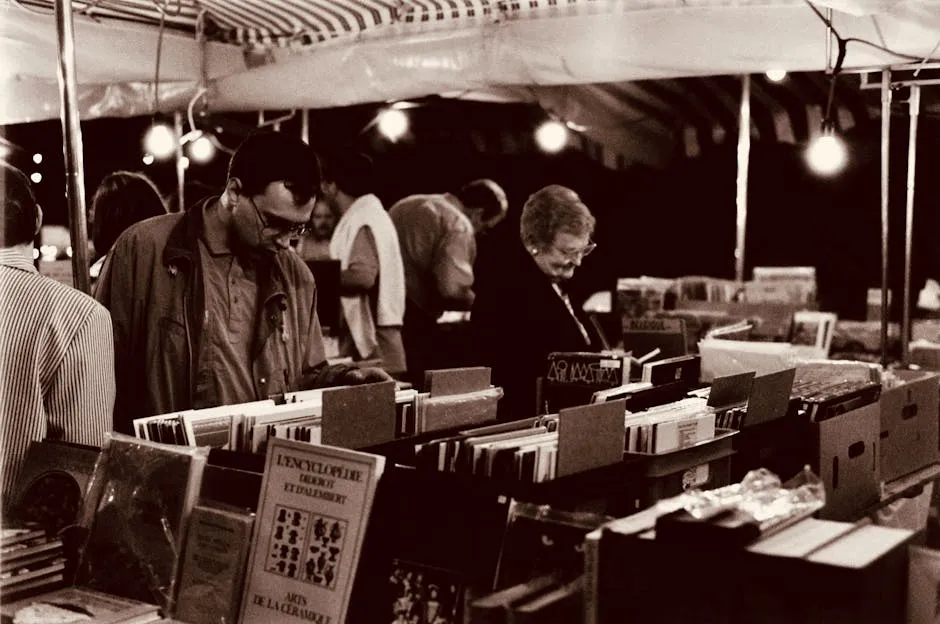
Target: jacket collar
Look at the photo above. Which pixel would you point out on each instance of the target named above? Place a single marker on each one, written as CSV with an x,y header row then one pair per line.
x,y
182,246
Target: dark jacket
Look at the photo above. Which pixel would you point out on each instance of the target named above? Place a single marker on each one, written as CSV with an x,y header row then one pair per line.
x,y
153,285
517,320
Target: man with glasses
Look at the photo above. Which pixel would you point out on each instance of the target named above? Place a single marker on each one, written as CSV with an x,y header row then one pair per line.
x,y
524,313
210,306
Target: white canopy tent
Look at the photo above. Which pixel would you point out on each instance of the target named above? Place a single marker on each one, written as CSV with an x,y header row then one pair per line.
x,y
280,54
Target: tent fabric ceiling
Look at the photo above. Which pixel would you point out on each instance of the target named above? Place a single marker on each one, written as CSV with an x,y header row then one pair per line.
x,y
291,23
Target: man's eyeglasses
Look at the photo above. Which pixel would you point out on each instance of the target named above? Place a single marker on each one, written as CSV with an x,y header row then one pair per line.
x,y
577,254
279,225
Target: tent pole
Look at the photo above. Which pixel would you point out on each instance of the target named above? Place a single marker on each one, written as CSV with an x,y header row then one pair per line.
x,y
305,125
744,152
885,136
914,103
72,144
180,169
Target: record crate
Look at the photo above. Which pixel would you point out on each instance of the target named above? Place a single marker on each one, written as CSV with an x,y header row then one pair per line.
x,y
783,446
705,465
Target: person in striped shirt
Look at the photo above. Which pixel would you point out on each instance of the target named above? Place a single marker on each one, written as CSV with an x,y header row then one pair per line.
x,y
56,344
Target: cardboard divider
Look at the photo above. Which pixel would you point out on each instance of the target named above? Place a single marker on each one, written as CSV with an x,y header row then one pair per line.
x,y
359,416
448,381
458,397
590,436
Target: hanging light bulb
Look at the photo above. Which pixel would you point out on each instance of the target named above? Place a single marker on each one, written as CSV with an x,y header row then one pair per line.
x,y
775,75
551,136
393,123
160,141
201,149
827,154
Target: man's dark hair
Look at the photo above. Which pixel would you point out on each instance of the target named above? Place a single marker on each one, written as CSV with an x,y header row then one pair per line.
x,y
487,196
352,171
20,208
267,157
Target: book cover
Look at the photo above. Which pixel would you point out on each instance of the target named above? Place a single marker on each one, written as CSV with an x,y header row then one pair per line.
x,y
135,513
312,514
596,370
421,594
213,570
78,604
51,485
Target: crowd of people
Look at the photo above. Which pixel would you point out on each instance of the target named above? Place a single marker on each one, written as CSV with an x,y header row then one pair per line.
x,y
215,305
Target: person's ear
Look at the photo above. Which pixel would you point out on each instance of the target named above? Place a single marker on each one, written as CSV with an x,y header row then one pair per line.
x,y
233,188
38,220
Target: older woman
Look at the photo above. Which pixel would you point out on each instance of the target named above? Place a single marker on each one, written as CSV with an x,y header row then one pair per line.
x,y
522,315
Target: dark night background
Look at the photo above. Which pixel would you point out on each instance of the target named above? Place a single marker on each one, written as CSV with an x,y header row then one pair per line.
x,y
677,221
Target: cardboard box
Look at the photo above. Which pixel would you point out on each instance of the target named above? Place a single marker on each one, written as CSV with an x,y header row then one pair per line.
x,y
910,424
849,461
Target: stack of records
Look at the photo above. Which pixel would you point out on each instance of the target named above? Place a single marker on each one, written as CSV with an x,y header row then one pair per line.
x,y
31,562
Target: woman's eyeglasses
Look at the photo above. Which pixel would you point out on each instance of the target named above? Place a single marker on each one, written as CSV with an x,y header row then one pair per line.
x,y
281,226
577,254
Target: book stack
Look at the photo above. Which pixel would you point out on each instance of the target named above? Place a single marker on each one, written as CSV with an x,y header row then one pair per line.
x,y
522,450
782,285
532,450
669,427
246,427
79,604
638,297
821,400
31,562
684,369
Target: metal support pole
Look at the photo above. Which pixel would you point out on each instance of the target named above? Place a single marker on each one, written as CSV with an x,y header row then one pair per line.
x,y
305,125
885,161
180,168
914,104
72,145
744,153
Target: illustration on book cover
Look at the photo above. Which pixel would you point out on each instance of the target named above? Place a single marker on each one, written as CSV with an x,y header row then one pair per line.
x,y
306,546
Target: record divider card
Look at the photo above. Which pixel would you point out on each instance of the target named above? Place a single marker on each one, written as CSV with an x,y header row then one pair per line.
x,y
590,436
356,417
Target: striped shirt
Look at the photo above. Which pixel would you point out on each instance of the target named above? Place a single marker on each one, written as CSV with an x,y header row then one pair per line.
x,y
57,361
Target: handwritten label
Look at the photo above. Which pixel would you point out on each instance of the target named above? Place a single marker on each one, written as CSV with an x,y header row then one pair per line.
x,y
665,326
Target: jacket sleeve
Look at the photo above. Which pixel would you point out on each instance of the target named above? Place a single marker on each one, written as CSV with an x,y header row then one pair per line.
x,y
453,266
317,372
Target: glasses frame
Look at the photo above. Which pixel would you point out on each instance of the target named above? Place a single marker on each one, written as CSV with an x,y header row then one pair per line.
x,y
577,254
297,230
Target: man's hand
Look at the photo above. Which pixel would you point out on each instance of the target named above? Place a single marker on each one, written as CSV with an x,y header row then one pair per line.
x,y
369,374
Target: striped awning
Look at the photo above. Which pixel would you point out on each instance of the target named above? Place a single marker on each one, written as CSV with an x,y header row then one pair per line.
x,y
299,23
291,23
